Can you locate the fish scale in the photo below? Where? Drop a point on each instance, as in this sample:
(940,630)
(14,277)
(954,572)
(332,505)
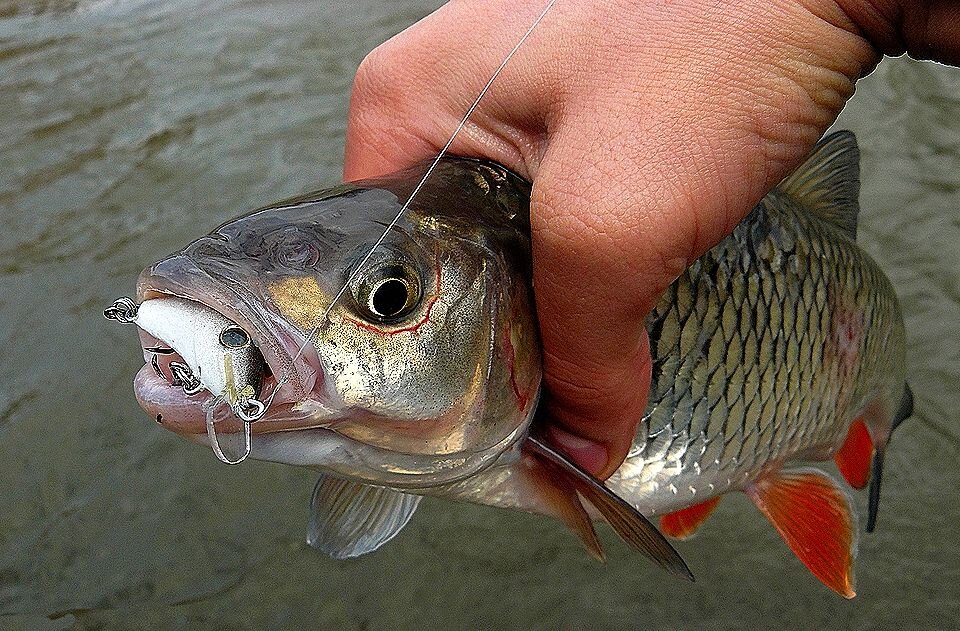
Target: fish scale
(761,296)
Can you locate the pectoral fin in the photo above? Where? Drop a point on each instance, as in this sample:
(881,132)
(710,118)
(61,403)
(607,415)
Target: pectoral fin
(635,529)
(561,495)
(814,518)
(348,519)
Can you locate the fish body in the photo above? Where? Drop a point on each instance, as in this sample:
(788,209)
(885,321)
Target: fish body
(782,344)
(765,351)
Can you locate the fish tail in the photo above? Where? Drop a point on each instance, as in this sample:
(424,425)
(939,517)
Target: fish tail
(860,458)
(904,411)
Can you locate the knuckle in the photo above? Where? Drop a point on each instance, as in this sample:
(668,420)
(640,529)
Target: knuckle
(372,84)
(386,110)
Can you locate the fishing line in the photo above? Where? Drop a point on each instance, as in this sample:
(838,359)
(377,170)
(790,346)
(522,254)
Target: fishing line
(463,121)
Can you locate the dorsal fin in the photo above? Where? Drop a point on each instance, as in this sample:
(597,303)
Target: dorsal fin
(828,183)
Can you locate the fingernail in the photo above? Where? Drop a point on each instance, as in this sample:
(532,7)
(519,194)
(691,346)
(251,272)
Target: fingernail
(590,455)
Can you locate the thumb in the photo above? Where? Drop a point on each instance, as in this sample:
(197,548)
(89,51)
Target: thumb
(597,272)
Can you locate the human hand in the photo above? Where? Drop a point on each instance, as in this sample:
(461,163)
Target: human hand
(649,131)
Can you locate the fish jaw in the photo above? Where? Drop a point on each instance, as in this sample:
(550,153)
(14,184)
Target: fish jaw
(355,460)
(292,374)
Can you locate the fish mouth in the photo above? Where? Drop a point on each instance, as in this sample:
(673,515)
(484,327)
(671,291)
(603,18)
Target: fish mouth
(291,368)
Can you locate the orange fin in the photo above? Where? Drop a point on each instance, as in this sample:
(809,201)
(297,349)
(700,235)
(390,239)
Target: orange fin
(684,523)
(814,518)
(855,457)
(635,529)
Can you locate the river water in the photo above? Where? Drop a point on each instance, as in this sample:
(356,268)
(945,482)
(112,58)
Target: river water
(129,127)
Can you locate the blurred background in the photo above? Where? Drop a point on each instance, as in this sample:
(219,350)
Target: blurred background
(128,128)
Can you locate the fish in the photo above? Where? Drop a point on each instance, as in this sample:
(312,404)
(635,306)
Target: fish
(414,368)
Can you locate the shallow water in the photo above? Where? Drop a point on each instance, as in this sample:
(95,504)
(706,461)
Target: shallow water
(128,128)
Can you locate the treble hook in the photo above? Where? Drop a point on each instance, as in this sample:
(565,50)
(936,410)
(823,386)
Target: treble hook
(249,410)
(215,442)
(183,376)
(123,310)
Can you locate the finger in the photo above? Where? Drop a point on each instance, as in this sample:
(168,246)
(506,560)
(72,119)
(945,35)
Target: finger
(595,276)
(925,30)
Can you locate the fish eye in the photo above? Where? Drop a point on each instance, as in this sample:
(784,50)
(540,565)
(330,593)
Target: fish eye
(389,297)
(234,337)
(389,293)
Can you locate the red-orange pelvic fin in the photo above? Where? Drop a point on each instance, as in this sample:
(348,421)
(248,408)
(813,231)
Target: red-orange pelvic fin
(814,518)
(855,458)
(684,523)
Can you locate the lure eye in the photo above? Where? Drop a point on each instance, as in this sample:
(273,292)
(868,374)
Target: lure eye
(234,337)
(389,293)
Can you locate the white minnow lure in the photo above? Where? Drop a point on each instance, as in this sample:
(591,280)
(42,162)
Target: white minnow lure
(219,353)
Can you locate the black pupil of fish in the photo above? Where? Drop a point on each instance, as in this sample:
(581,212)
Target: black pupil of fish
(234,337)
(389,297)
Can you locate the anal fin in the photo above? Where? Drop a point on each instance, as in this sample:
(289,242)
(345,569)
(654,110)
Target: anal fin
(814,517)
(684,523)
(348,519)
(855,458)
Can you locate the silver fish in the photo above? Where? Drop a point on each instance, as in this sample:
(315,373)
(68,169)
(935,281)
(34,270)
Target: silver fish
(782,344)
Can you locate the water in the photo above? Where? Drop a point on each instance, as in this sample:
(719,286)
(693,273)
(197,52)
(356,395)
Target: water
(128,128)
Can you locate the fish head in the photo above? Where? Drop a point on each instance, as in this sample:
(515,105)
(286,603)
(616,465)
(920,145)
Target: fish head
(411,364)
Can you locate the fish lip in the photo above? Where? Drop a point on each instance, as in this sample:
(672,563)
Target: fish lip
(181,277)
